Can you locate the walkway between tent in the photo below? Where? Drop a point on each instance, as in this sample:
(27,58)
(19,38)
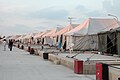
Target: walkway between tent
(20,65)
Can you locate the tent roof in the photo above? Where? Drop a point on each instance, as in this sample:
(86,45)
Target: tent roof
(66,29)
(49,33)
(36,35)
(39,35)
(52,32)
(14,37)
(112,30)
(20,37)
(93,26)
(28,36)
(76,30)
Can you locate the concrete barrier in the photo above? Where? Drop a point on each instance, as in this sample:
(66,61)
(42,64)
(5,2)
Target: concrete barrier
(40,53)
(114,73)
(63,61)
(89,67)
(36,51)
(26,48)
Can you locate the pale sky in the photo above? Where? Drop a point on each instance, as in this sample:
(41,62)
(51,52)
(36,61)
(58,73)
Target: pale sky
(28,16)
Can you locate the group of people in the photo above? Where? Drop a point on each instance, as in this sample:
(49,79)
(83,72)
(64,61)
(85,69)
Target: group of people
(10,44)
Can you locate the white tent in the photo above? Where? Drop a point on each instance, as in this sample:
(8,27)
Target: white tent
(48,37)
(37,35)
(82,37)
(60,34)
(21,37)
(28,38)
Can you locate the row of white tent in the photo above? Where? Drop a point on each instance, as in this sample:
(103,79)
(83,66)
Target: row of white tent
(83,36)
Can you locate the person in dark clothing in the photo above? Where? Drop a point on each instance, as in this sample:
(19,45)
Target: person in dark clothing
(38,41)
(64,46)
(10,45)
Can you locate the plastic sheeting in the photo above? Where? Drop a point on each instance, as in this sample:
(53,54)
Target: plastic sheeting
(109,42)
(87,42)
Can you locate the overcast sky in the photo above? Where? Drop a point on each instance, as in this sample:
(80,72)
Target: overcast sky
(27,16)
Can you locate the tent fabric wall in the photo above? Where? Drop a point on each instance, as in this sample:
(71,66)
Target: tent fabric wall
(40,36)
(47,37)
(87,42)
(54,41)
(48,41)
(69,41)
(102,41)
(72,40)
(118,42)
(64,40)
(111,42)
(62,32)
(107,42)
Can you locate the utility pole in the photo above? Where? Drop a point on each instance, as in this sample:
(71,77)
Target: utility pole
(115,18)
(70,19)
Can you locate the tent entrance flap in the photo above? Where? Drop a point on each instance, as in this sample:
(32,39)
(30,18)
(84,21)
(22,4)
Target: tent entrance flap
(60,43)
(109,46)
(65,43)
(111,43)
(108,42)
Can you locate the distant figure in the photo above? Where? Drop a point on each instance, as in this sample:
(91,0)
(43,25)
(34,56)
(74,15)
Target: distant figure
(38,41)
(64,46)
(10,44)
(18,43)
(4,44)
(71,47)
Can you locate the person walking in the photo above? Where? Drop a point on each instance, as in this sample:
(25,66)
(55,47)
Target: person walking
(4,44)
(10,45)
